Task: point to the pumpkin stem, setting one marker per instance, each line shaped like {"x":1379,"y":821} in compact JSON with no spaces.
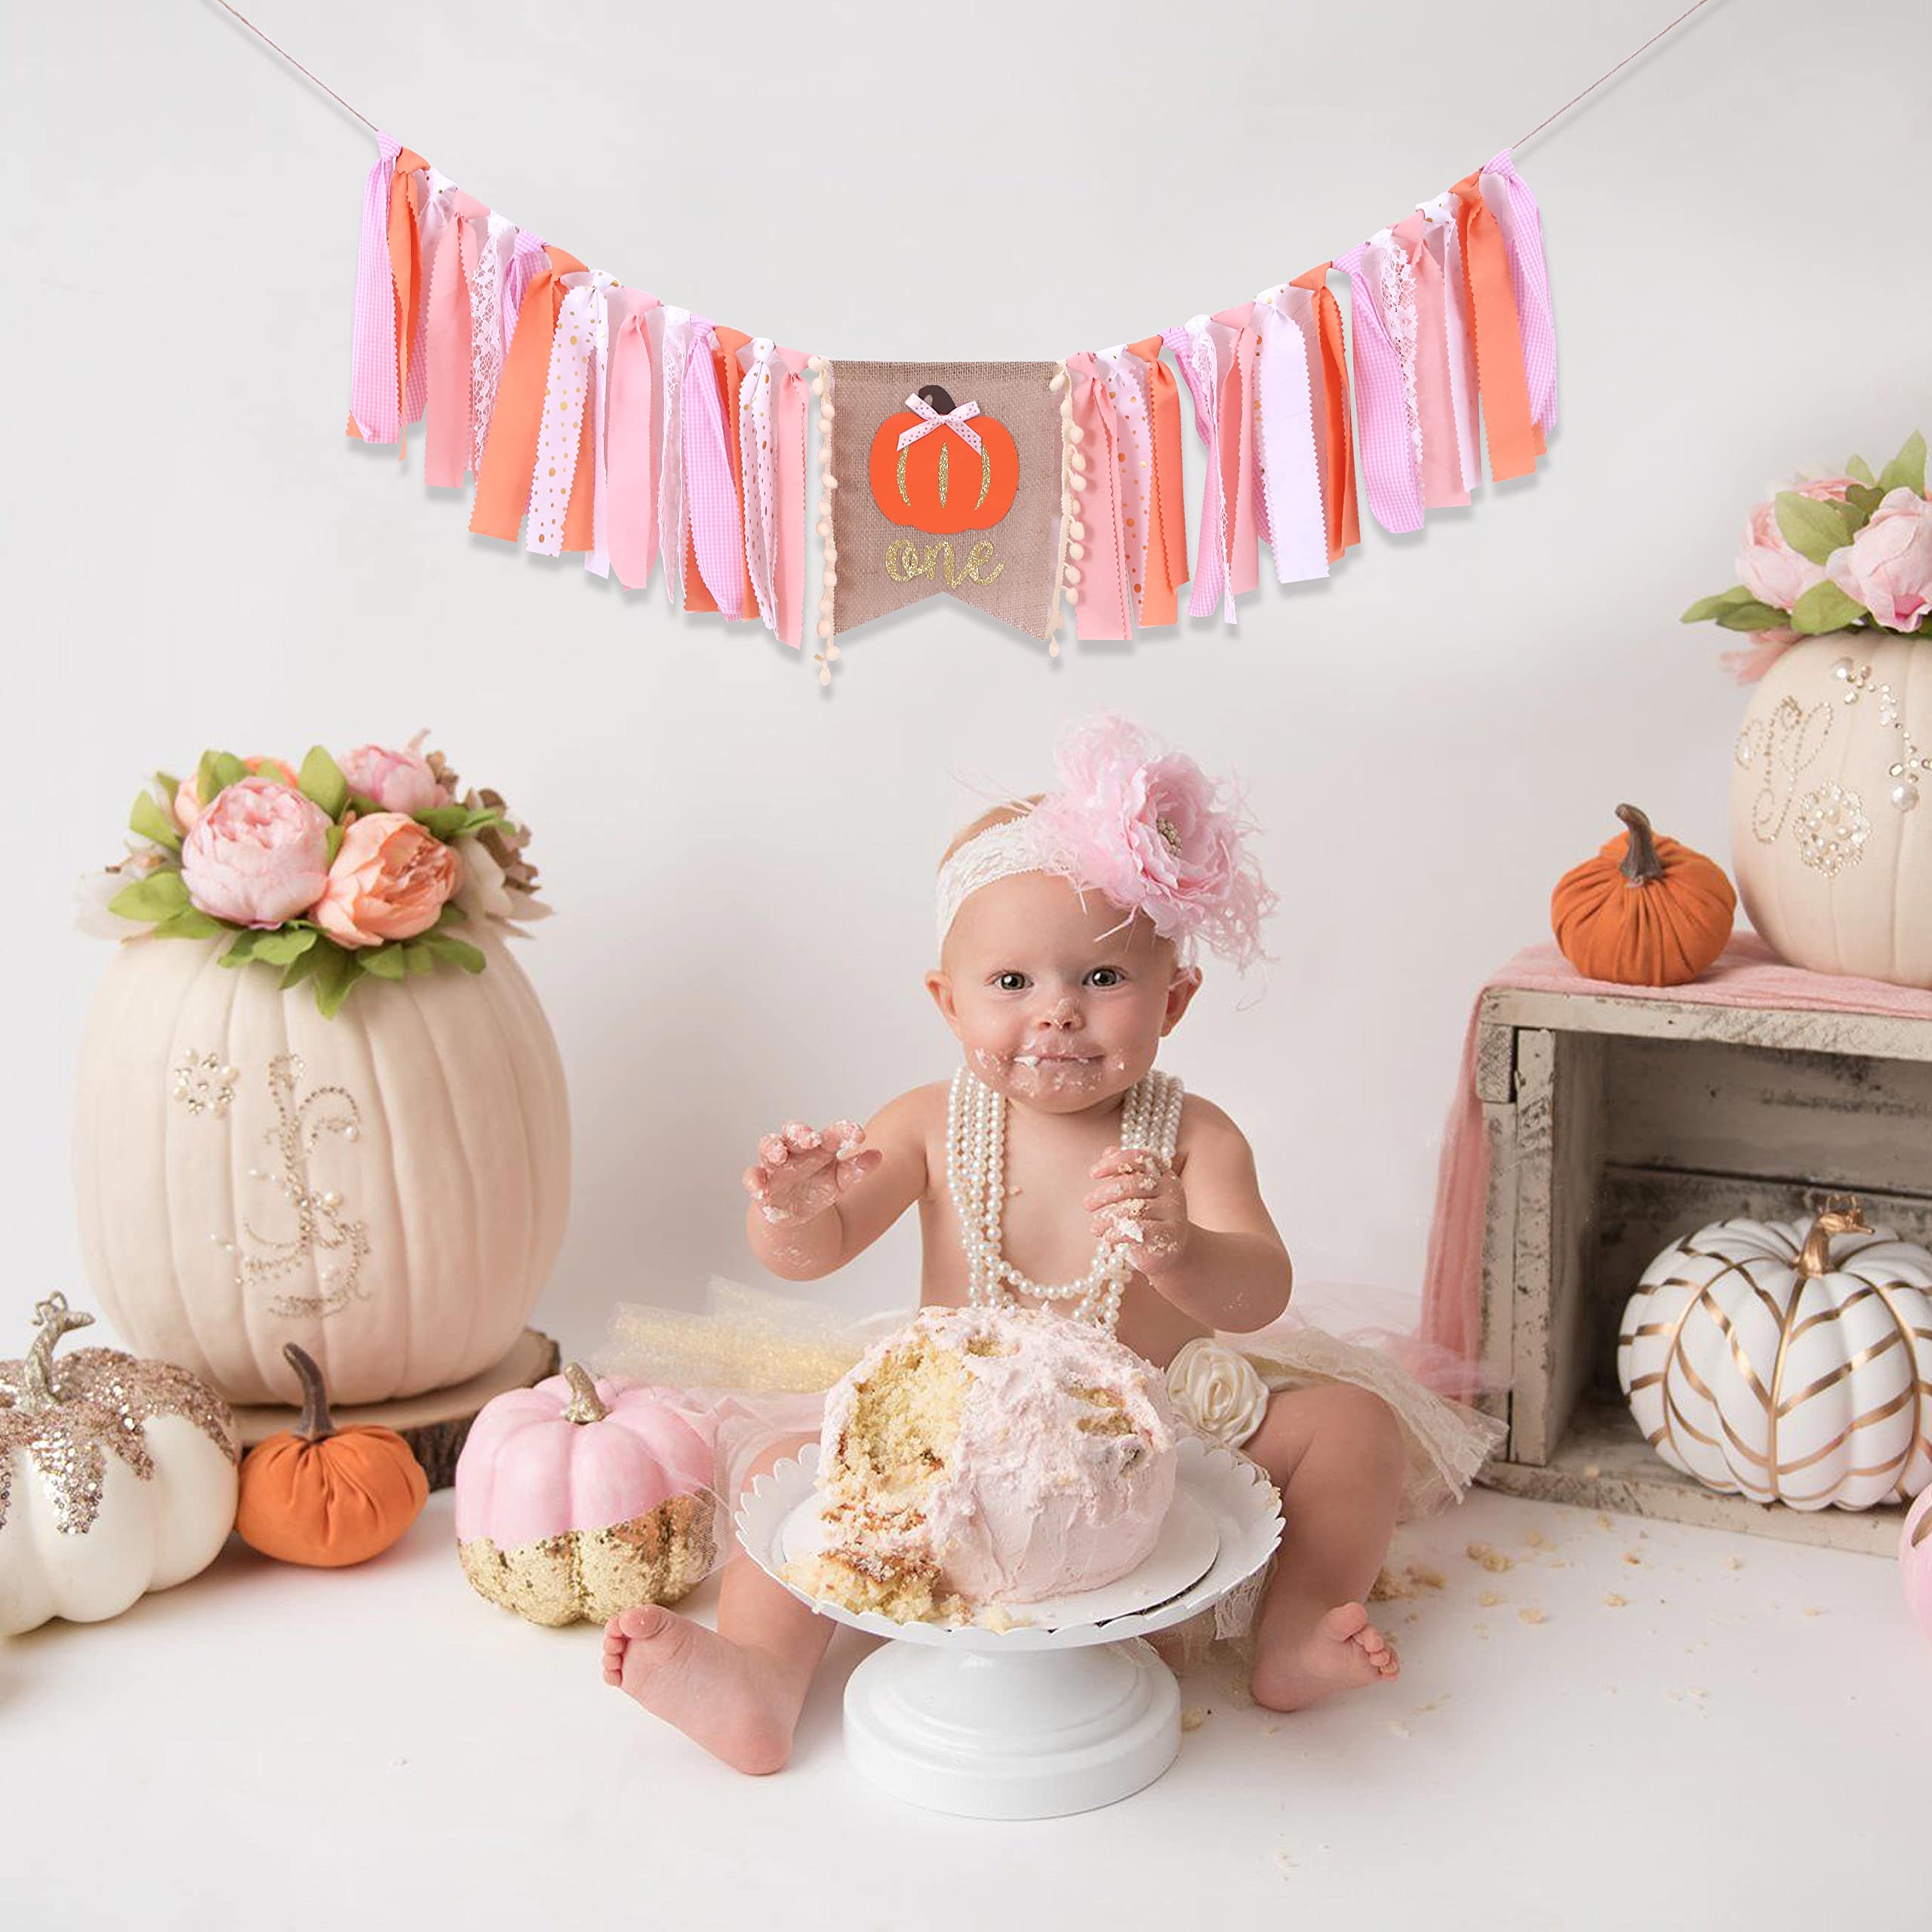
{"x":939,"y":399}
{"x":317,"y":1425}
{"x":1841,"y":1215}
{"x":585,"y":1405}
{"x":1641,"y":862}
{"x":54,"y":1319}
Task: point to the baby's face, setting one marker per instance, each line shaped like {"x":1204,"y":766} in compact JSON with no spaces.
{"x":1056,"y":1003}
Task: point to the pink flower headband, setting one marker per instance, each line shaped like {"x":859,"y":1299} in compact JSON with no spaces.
{"x":1153,"y":833}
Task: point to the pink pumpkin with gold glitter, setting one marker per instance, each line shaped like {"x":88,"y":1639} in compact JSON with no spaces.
{"x":580,"y":1498}
{"x":1916,"y":1561}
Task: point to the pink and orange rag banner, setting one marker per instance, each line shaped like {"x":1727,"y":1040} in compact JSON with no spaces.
{"x":596,"y":419}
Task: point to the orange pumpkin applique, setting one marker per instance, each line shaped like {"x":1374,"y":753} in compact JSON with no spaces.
{"x":1645,"y":912}
{"x":327,"y":1495}
{"x":958,"y":470}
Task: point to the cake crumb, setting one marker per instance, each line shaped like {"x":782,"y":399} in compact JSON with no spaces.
{"x":1591,"y":1472}
{"x":1196,"y":1716}
{"x":1424,"y":1576}
{"x":1612,"y":1602}
{"x":1733,"y":1563}
{"x":1633,"y":1557}
{"x":1537,"y":1540}
{"x":1490,"y":1558}
{"x":1386,"y":1587}
{"x":1400,"y":1729}
{"x":1414,"y":1616}
{"x":1603,"y":1522}
{"x":1270,"y":1725}
{"x":1813,"y":1612}
{"x":1239,"y":1695}
{"x":1287,"y":1863}
{"x":997,"y":1617}
{"x":1482,"y":1630}
{"x":1490,"y":1598}
{"x":1529,"y":1614}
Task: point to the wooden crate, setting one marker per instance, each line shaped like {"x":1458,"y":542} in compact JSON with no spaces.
{"x":1615,"y":1125}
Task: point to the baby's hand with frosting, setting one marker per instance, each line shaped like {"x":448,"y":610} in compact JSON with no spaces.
{"x":802,"y":1170}
{"x":1140,"y":1204}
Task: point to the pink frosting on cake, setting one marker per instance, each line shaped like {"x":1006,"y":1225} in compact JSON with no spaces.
{"x":1030,"y":1503}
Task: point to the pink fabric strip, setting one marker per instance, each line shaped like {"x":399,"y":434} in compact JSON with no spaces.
{"x":1387,"y":449}
{"x":1522,"y":221}
{"x":1445,"y":241}
{"x":790,"y":420}
{"x":430,"y":205}
{"x":1237,"y":449}
{"x":1748,"y":974}
{"x":447,"y":451}
{"x":1127,"y":386}
{"x":1104,"y":613}
{"x":1441,"y":457}
{"x":1191,"y":345}
{"x":630,"y":451}
{"x":1286,"y":450}
{"x":372,"y":387}
{"x":711,"y":498}
{"x":528,"y":256}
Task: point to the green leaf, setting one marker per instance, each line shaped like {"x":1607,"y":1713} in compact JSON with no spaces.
{"x":452,"y":914}
{"x":1862,"y":500}
{"x":1752,"y":616}
{"x":1706,"y":608}
{"x":1858,"y":467}
{"x":332,"y":842}
{"x":156,"y":896}
{"x":321,"y":779}
{"x":243,"y":950}
{"x":303,"y":968}
{"x":285,"y":946}
{"x":382,"y":962}
{"x":418,"y":957}
{"x":168,"y":781}
{"x":445,"y":821}
{"x":1825,"y":607}
{"x":333,"y":973}
{"x":147,"y":819}
{"x":458,"y":952}
{"x":1812,"y":528}
{"x":216,"y":772}
{"x":1906,"y":470}
{"x":191,"y":922}
{"x":363,"y":805}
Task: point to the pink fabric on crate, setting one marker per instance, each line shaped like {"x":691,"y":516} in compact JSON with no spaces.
{"x":1442,"y":485}
{"x":631,"y":449}
{"x":713,"y":498}
{"x":1748,"y":974}
{"x":1104,"y":611}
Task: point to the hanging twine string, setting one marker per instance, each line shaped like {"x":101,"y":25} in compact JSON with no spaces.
{"x":1525,"y":140}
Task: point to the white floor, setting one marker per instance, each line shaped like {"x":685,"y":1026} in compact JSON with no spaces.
{"x":1741,"y":1741}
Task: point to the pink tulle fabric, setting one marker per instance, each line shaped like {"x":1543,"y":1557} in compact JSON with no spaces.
{"x":1152,"y":832}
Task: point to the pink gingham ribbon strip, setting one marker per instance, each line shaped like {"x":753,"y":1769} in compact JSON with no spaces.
{"x":757,"y":464}
{"x":1520,"y":219}
{"x":955,"y":419}
{"x":713,"y":496}
{"x":1191,"y":345}
{"x":1290,"y":462}
{"x":372,"y":384}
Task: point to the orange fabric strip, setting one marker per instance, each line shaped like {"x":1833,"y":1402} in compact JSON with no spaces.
{"x":405,"y":273}
{"x":1338,"y":508}
{"x":1514,"y":440}
{"x":509,"y":456}
{"x":1167,"y":541}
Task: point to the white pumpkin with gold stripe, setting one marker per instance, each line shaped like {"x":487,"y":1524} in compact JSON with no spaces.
{"x":1793,"y":1364}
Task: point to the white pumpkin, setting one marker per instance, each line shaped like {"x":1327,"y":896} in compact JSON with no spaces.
{"x":1831,"y":807}
{"x":1791,"y":1364}
{"x":117,"y":1477}
{"x":387,"y":1187}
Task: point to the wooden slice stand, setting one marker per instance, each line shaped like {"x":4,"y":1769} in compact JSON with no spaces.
{"x":434,"y":1424}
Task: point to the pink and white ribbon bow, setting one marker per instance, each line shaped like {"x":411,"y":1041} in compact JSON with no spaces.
{"x":1192,"y":346}
{"x":372,"y":387}
{"x":1521,"y":221}
{"x":1391,"y":436}
{"x":1290,"y":460}
{"x":955,"y":420}
{"x":573,"y":409}
{"x":713,"y":498}
{"x":757,"y":464}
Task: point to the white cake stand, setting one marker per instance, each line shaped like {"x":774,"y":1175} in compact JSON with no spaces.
{"x":1064,"y":1713}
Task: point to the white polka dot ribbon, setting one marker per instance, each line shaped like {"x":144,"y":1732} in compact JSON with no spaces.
{"x":955,"y":420}
{"x":572,"y":408}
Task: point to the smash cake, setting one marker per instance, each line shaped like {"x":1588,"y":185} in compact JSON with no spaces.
{"x":982,"y":1457}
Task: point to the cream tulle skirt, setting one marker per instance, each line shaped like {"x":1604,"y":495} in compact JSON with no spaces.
{"x":753,"y":1369}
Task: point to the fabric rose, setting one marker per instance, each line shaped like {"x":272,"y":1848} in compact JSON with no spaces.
{"x":1217,"y":1390}
{"x":484,"y":892}
{"x":389,"y":881}
{"x":397,"y":781}
{"x":1887,"y":566}
{"x":187,"y":801}
{"x":1154,"y":835}
{"x":258,"y":855}
{"x":1768,"y":566}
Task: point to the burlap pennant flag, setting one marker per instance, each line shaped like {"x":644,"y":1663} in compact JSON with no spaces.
{"x":950,"y":478}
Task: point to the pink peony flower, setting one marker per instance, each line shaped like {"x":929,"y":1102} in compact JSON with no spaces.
{"x":258,"y":855}
{"x":389,"y":881}
{"x":188,"y":795}
{"x":397,"y":781}
{"x":1154,"y":835}
{"x":1768,"y":566}
{"x":1887,"y":566}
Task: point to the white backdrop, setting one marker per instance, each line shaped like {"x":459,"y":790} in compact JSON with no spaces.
{"x":741,"y":863}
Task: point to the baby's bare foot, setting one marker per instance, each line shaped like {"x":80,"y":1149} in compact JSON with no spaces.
{"x":732,"y":1700}
{"x":1343,"y":1650}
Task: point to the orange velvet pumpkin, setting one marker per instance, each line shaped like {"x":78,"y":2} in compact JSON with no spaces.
{"x":1645,"y":912}
{"x":940,"y":484}
{"x":327,"y":1495}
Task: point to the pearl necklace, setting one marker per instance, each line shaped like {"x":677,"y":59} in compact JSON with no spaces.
{"x":976,"y":1175}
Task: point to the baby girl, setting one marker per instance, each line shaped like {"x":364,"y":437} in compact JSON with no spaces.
{"x":1068,"y":930}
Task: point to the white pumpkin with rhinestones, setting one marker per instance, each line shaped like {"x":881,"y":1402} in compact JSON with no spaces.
{"x":387,"y":1187}
{"x":117,"y":1477}
{"x":1788,"y":1361}
{"x":1831,"y":806}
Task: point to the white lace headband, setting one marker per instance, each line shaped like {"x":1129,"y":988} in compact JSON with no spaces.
{"x":1001,"y":851}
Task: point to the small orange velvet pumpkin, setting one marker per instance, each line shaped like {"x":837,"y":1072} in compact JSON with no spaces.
{"x":940,"y":484}
{"x":1645,"y":912}
{"x":327,"y":1495}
